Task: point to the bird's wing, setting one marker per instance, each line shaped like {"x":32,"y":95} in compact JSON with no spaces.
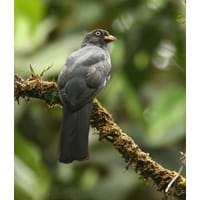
{"x":85,"y":81}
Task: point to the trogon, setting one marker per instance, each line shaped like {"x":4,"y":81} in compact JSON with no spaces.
{"x":83,"y":76}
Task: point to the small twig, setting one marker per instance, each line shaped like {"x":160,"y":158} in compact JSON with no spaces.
{"x":45,"y":70}
{"x":33,"y":74}
{"x":128,"y":165}
{"x":182,"y":159}
{"x":174,"y":179}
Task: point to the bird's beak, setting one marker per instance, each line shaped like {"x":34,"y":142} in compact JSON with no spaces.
{"x":109,"y":38}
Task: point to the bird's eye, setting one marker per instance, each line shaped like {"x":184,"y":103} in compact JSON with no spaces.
{"x":97,"y":33}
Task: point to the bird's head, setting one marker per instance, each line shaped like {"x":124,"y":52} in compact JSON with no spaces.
{"x":98,"y":37}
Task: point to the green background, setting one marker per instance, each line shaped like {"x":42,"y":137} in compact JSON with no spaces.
{"x":146,"y":95}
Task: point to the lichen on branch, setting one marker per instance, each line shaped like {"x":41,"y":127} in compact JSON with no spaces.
{"x":101,"y":119}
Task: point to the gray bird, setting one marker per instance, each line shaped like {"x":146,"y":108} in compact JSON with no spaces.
{"x":84,"y":75}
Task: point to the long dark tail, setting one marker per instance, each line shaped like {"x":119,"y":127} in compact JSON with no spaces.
{"x":74,"y":134}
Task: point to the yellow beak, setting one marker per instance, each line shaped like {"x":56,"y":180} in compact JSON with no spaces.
{"x":109,"y":38}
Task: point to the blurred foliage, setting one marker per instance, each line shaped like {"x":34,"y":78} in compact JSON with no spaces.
{"x":146,"y":94}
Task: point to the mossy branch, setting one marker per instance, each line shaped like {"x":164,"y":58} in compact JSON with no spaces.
{"x":101,"y":119}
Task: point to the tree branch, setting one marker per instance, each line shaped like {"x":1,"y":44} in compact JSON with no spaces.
{"x":101,"y":119}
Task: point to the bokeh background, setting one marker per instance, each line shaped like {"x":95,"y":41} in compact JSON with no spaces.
{"x":146,"y":95}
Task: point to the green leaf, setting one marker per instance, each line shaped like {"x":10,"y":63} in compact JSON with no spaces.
{"x":132,"y":102}
{"x":31,"y":176}
{"x":31,"y":29}
{"x":54,"y":54}
{"x":89,"y":179}
{"x":166,"y":117}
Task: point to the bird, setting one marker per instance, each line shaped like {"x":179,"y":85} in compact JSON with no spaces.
{"x":85,"y":73}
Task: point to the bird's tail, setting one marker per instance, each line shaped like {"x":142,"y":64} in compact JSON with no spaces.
{"x":74,"y":134}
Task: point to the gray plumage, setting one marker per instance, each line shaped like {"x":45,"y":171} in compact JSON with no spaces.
{"x":85,"y":73}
